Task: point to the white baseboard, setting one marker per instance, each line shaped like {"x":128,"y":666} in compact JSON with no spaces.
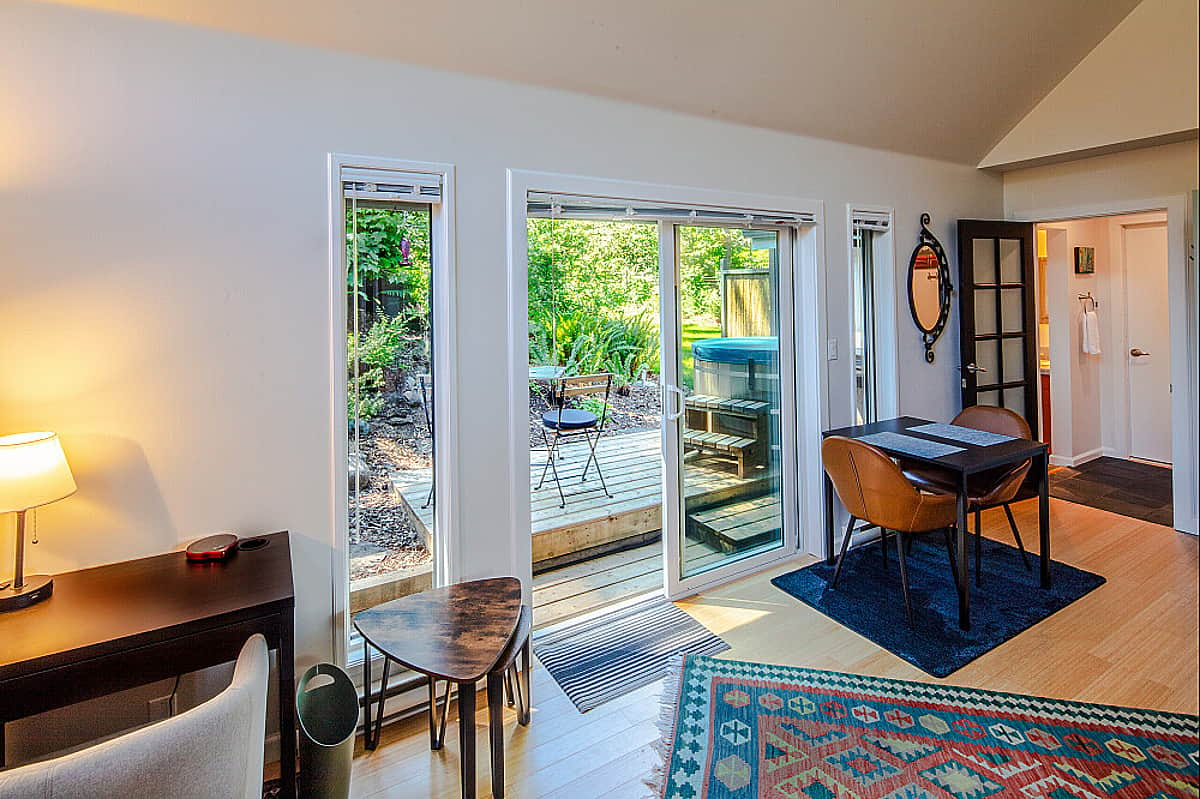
{"x":1076,"y":460}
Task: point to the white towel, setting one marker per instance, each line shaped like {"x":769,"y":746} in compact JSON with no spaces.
{"x":1089,"y":333}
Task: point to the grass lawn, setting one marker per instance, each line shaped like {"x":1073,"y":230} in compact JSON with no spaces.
{"x":693,"y":332}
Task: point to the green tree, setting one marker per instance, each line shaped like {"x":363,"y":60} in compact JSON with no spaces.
{"x":384,"y":273}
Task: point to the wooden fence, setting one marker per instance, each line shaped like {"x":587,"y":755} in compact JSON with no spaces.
{"x":746,"y":303}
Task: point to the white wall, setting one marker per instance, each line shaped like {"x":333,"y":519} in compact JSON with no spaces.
{"x":164,"y":289}
{"x":1080,"y":386}
{"x":1107,"y":181}
{"x":1138,"y":85}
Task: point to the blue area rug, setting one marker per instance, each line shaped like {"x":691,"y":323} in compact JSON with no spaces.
{"x":869,"y":600}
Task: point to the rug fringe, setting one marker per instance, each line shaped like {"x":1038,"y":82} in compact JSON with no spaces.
{"x":668,"y":714}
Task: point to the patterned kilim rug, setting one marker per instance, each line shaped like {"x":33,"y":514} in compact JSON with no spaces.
{"x":748,"y":730}
{"x":600,"y":658}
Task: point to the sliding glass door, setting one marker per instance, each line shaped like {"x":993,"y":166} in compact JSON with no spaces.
{"x":727,"y":364}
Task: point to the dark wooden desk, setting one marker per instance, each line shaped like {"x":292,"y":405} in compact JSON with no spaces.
{"x":971,"y":460}
{"x":119,"y":626}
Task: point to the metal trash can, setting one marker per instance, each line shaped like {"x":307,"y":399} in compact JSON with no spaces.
{"x":327,"y":708}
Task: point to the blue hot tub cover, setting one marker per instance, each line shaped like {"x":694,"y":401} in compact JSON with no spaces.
{"x":760,"y":349}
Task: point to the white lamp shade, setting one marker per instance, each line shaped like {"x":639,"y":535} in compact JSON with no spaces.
{"x":33,"y":471}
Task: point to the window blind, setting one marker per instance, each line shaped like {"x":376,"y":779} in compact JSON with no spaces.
{"x":870,"y":220}
{"x":389,"y":184}
{"x":570,"y":206}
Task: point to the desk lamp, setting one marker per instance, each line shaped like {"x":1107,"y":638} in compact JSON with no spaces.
{"x":33,"y":472}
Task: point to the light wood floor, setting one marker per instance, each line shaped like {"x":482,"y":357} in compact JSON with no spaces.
{"x":1133,"y":641}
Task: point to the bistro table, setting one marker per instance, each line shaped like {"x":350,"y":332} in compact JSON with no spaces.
{"x":969,"y":459}
{"x":458,"y":634}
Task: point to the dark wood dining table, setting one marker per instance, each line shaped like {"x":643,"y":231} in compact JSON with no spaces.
{"x":968,"y":460}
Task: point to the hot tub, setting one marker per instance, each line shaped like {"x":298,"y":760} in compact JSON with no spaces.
{"x":737,"y":368}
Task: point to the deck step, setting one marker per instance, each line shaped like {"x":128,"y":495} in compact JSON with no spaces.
{"x":739,"y":525}
{"x":721,"y":442}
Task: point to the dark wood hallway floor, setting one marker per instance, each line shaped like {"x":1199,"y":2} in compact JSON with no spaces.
{"x":1130,"y":488}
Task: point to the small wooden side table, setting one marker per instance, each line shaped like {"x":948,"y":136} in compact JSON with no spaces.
{"x":460,"y":634}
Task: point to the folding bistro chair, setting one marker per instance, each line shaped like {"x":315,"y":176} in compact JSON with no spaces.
{"x":567,"y":423}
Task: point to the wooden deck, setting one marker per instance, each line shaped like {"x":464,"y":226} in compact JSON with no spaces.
{"x":583,"y":587}
{"x":592,"y":523}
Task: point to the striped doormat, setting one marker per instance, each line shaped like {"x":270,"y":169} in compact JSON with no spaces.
{"x":606,"y":656}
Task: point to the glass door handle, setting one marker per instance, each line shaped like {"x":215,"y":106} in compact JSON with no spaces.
{"x":678,"y":392}
{"x":973,"y":369}
{"x":1136,"y":353}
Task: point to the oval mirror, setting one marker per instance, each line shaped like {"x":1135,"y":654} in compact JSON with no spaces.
{"x":926,"y":289}
{"x":929,"y":287}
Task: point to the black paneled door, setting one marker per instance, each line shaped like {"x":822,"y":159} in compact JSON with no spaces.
{"x":998,"y":316}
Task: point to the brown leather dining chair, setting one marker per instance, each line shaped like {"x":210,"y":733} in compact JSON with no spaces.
{"x":986,"y":490}
{"x":874,"y":490}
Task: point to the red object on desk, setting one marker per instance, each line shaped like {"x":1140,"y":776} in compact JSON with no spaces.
{"x":215,"y":547}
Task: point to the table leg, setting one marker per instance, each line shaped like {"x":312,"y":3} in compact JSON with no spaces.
{"x":383,"y":689}
{"x":495,"y":700}
{"x":525,"y":678}
{"x":1043,"y":467}
{"x":367,"y":744}
{"x":964,"y":576}
{"x":466,"y":738}
{"x":287,"y":709}
{"x":829,"y":545}
{"x":437,"y":717}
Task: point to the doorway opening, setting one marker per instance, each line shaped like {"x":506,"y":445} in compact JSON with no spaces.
{"x":659,"y":366}
{"x":594,"y":351}
{"x":1104,"y":358}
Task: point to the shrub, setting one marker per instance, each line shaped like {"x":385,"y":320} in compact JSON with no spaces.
{"x":586,"y":343}
{"x":384,"y":346}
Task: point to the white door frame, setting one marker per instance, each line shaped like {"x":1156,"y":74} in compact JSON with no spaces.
{"x":809,"y":382}
{"x":448,"y":546}
{"x":1181,"y":274}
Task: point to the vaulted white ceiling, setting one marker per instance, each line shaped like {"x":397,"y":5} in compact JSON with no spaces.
{"x":940,"y":78}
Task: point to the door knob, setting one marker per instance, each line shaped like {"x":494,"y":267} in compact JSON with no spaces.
{"x":1136,"y":353}
{"x":973,"y":369}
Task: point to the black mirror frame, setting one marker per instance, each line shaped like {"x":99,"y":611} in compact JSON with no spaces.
{"x":945,"y":287}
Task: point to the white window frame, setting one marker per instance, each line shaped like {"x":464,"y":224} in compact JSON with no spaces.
{"x":887,"y":356}
{"x":808,"y":278}
{"x":447,"y":546}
